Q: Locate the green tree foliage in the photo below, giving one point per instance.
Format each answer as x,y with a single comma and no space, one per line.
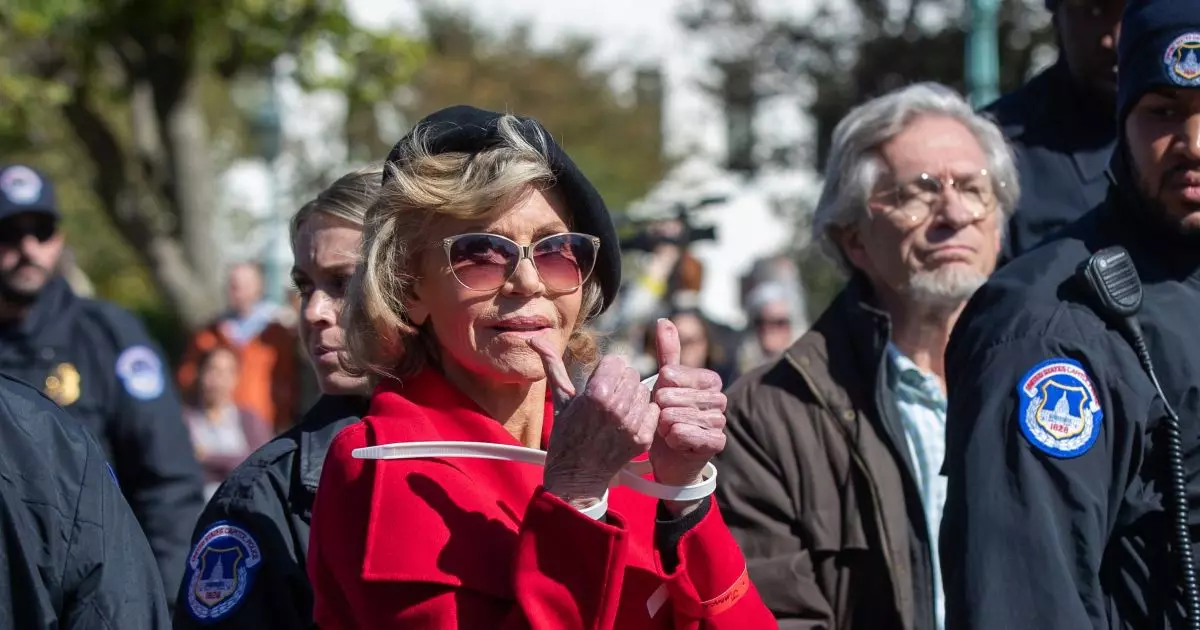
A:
127,104
616,140
846,53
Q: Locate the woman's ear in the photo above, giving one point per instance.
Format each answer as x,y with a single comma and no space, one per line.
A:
415,309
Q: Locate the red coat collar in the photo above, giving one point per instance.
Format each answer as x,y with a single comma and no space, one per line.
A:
447,408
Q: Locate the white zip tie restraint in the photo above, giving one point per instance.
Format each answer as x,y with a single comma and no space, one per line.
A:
630,476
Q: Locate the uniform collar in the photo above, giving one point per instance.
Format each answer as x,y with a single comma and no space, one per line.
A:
50,310
320,425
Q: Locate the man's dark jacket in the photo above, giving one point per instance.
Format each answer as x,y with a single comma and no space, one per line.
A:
816,482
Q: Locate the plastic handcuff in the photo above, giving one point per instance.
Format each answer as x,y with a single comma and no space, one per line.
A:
630,476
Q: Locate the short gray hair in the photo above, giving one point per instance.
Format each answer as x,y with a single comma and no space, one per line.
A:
854,165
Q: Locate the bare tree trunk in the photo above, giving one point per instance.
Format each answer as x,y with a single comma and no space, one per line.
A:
189,290
194,184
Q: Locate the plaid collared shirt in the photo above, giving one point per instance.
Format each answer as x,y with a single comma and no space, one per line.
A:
922,407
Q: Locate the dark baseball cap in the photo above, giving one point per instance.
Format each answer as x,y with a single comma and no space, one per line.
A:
24,189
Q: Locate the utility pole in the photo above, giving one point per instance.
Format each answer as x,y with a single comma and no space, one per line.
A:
983,53
267,127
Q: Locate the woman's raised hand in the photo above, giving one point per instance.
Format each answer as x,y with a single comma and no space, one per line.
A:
597,432
691,427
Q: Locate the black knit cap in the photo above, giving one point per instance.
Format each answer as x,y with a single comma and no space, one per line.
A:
1159,46
466,129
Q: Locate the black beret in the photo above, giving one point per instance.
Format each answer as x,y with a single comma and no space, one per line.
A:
466,129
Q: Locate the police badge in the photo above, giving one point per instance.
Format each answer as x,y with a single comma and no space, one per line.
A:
220,570
63,384
1059,411
1181,60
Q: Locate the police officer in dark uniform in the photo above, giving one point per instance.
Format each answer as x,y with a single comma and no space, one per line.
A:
1060,123
264,507
97,362
72,553
1059,450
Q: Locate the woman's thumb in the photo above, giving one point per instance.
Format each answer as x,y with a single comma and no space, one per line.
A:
556,371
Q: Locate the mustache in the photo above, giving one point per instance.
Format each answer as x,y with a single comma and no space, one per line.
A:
24,261
1179,171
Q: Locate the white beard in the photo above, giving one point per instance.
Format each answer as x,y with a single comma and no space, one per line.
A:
948,287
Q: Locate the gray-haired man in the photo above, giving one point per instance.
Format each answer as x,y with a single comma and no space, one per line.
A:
830,477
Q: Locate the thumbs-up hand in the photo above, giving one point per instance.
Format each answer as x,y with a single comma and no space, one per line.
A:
597,431
691,422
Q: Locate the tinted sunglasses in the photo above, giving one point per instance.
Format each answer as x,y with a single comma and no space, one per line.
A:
14,230
484,262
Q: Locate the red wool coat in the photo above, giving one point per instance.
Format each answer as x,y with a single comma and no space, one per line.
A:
472,543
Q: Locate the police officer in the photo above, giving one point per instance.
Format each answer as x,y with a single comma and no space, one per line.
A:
1059,504
71,552
97,362
259,517
1060,123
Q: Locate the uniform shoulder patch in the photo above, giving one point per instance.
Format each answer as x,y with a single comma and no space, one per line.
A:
1059,411
220,571
141,371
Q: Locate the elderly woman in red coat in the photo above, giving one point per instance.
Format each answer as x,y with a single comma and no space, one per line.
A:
485,256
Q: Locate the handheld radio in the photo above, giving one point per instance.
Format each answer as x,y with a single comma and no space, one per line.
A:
1113,281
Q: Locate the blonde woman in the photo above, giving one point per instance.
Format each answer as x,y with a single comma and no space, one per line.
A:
485,256
246,568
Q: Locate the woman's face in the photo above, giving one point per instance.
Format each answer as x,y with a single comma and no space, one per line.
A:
218,378
485,334
326,249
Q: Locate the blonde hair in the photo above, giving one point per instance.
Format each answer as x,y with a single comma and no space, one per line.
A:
422,188
346,199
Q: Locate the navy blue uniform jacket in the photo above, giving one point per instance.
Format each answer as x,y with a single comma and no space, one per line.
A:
97,362
1056,460
72,554
269,497
1062,146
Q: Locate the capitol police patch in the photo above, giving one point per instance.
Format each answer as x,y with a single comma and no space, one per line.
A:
1059,411
1182,60
21,185
220,571
140,369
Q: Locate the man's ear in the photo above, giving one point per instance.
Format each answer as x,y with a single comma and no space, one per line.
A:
849,239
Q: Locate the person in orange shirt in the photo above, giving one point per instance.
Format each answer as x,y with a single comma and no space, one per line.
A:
266,349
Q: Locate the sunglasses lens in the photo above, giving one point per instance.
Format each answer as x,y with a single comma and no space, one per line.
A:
14,230
564,261
482,262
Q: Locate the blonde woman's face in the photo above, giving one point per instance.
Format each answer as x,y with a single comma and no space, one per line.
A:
326,250
485,334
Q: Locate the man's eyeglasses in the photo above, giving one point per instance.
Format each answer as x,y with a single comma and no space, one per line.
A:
914,201
13,230
484,262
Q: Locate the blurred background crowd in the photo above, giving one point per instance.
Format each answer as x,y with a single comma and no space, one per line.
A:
182,136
